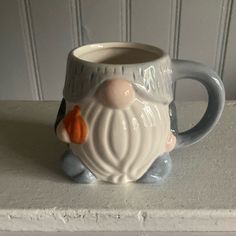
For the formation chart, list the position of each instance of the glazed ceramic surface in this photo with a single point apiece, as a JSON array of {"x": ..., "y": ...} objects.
[{"x": 118, "y": 113}]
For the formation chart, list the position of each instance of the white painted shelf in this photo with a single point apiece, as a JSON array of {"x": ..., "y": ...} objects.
[{"x": 200, "y": 194}]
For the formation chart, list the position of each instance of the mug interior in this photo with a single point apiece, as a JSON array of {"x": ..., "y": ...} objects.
[{"x": 118, "y": 53}]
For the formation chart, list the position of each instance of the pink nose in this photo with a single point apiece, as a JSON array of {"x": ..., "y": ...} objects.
[{"x": 116, "y": 93}]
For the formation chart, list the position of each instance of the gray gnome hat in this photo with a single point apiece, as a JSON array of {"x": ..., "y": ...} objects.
[{"x": 151, "y": 79}]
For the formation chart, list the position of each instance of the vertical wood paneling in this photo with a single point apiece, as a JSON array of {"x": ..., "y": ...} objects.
[
  {"x": 30, "y": 48},
  {"x": 222, "y": 38},
  {"x": 199, "y": 29},
  {"x": 125, "y": 20},
  {"x": 74, "y": 12},
  {"x": 150, "y": 22},
  {"x": 53, "y": 38},
  {"x": 229, "y": 73},
  {"x": 176, "y": 6},
  {"x": 198, "y": 40},
  {"x": 14, "y": 79},
  {"x": 36, "y": 36},
  {"x": 100, "y": 20}
]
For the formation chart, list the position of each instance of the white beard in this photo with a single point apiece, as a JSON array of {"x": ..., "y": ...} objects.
[{"x": 122, "y": 144}]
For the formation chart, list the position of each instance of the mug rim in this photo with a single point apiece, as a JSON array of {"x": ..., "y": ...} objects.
[{"x": 160, "y": 53}]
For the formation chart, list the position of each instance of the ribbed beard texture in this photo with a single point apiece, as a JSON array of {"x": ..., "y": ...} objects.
[{"x": 122, "y": 143}]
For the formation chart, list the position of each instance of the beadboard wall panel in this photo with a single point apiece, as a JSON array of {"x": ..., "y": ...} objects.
[
  {"x": 53, "y": 38},
  {"x": 36, "y": 36},
  {"x": 14, "y": 78},
  {"x": 100, "y": 20},
  {"x": 199, "y": 25},
  {"x": 229, "y": 72},
  {"x": 199, "y": 30},
  {"x": 151, "y": 22}
]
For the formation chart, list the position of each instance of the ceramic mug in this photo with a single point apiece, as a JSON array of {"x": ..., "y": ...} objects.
[{"x": 118, "y": 113}]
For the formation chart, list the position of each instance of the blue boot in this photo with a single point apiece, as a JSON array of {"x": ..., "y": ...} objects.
[
  {"x": 74, "y": 168},
  {"x": 159, "y": 170}
]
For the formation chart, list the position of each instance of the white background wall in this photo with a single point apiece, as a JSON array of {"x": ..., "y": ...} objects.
[{"x": 36, "y": 35}]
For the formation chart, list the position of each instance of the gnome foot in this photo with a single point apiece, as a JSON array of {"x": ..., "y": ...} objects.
[
  {"x": 159, "y": 170},
  {"x": 74, "y": 168}
]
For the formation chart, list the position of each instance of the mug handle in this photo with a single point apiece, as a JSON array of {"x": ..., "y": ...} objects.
[{"x": 183, "y": 69}]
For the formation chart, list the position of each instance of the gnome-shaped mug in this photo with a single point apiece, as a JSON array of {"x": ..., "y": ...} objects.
[{"x": 118, "y": 115}]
